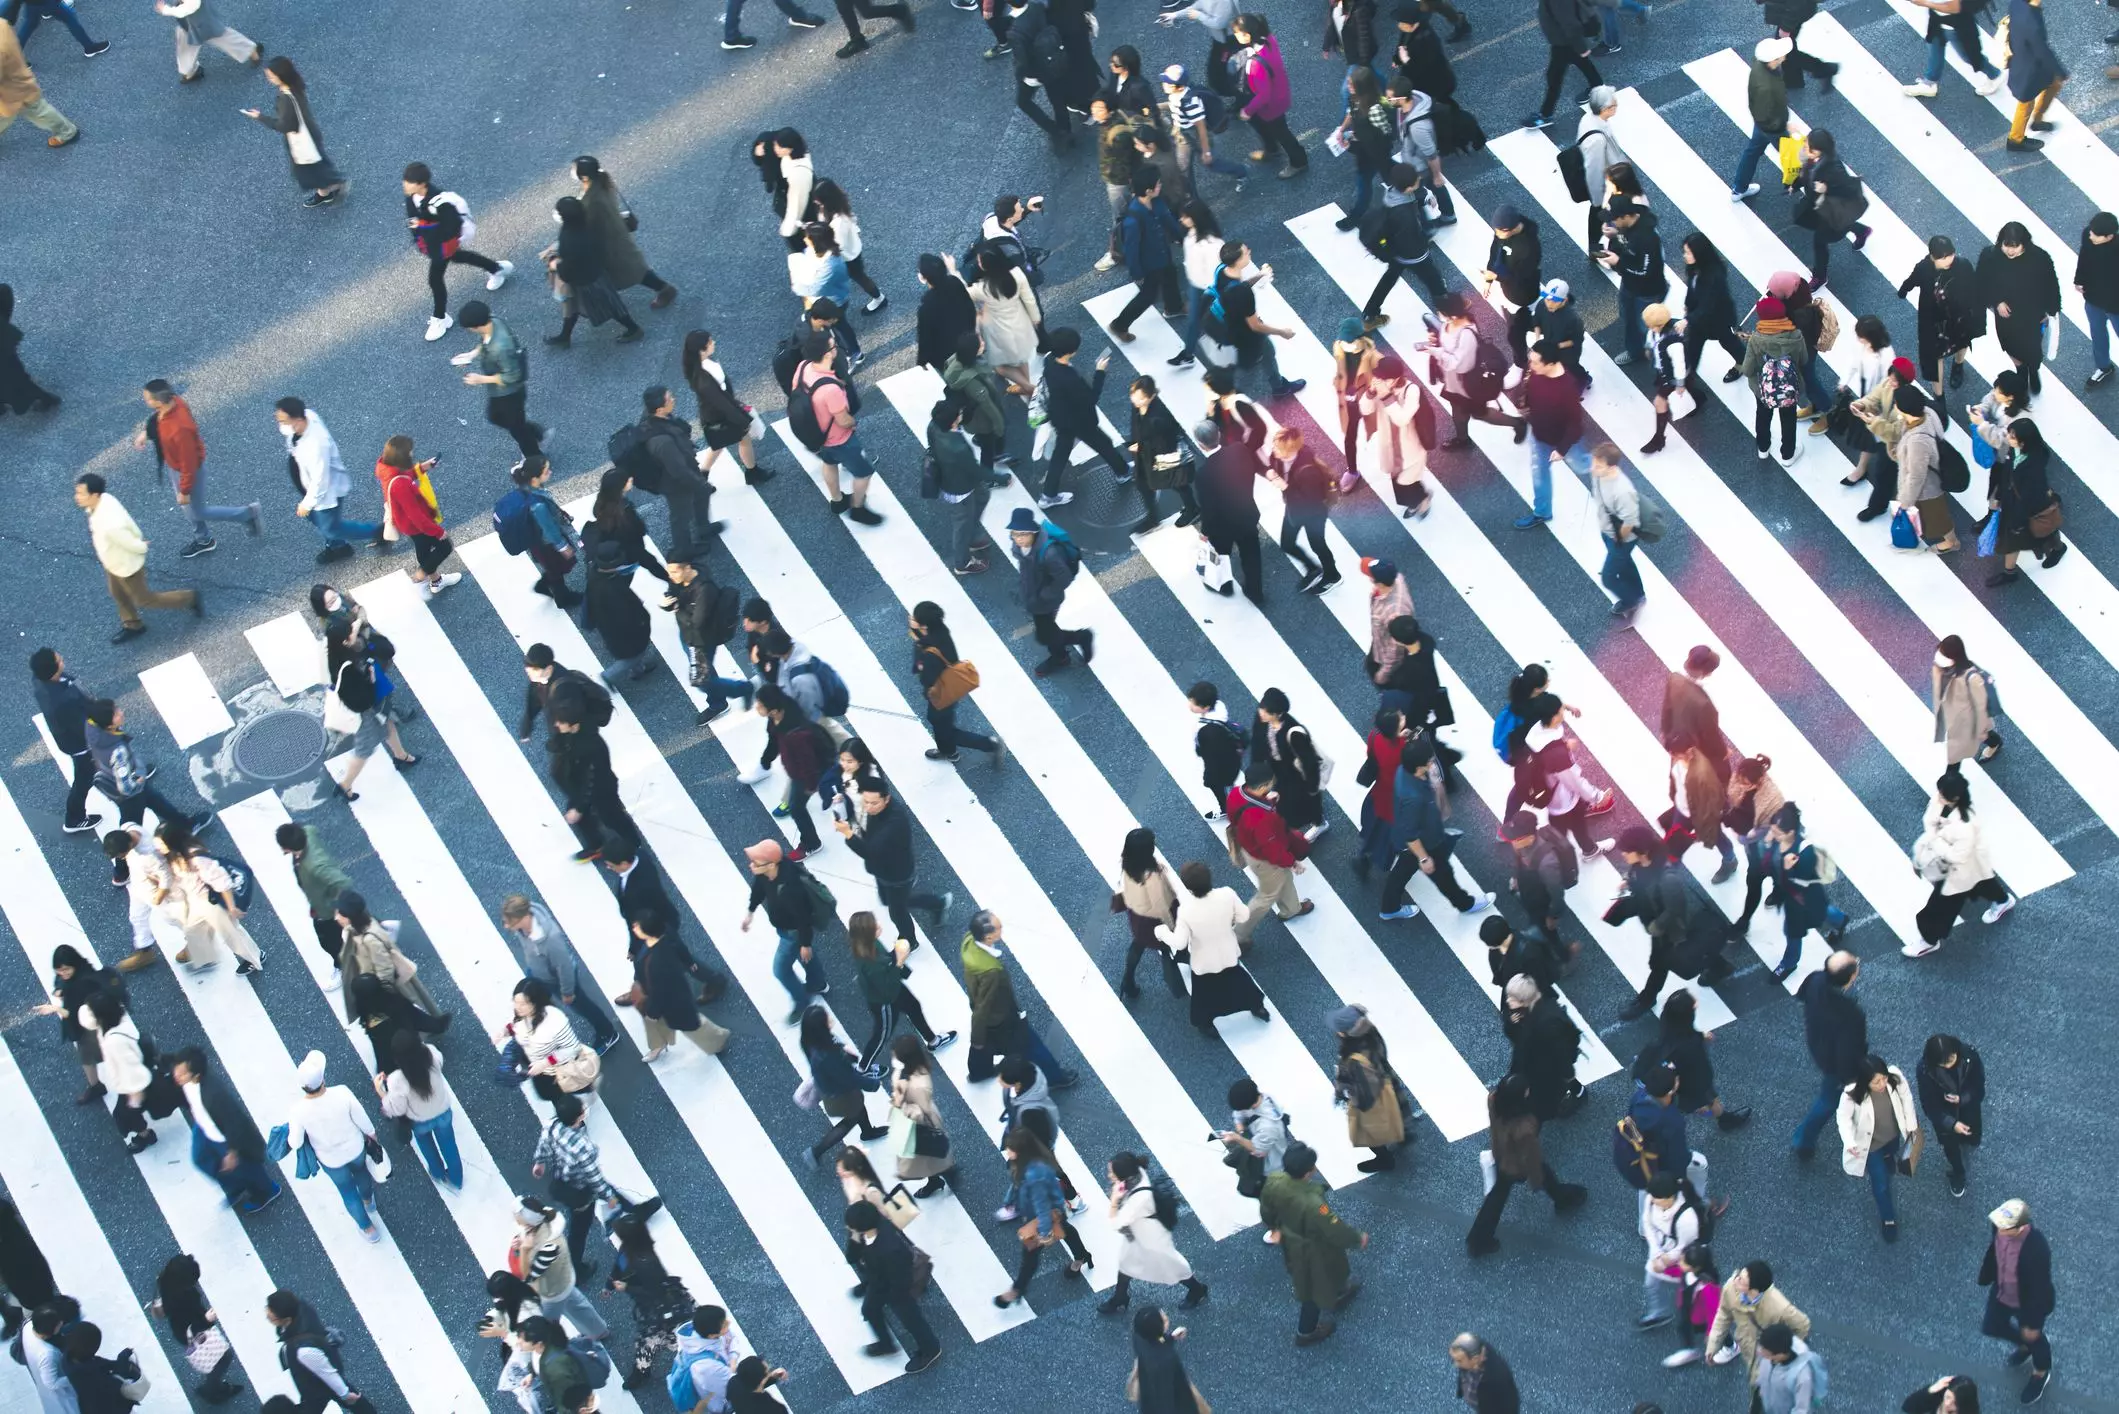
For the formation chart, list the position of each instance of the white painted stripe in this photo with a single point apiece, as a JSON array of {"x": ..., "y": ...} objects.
[
  {"x": 2073, "y": 146},
  {"x": 1080, "y": 795},
  {"x": 1044, "y": 943},
  {"x": 1249, "y": 643},
  {"x": 806, "y": 1256},
  {"x": 1928, "y": 587},
  {"x": 463, "y": 935},
  {"x": 188, "y": 705},
  {"x": 376, "y": 1276},
  {"x": 58, "y": 1216},
  {"x": 293, "y": 655},
  {"x": 2076, "y": 587},
  {"x": 56, "y": 1210},
  {"x": 699, "y": 867},
  {"x": 1954, "y": 169}
]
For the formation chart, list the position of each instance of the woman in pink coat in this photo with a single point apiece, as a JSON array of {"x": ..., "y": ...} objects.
[{"x": 1266, "y": 77}]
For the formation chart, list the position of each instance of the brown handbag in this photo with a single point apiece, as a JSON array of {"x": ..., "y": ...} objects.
[
  {"x": 2047, "y": 522},
  {"x": 1027, "y": 1234},
  {"x": 1914, "y": 1148}
]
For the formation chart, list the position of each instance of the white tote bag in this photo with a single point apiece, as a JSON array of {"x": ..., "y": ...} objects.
[
  {"x": 1213, "y": 567},
  {"x": 339, "y": 719}
]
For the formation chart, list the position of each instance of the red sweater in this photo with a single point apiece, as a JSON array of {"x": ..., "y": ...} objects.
[
  {"x": 1261, "y": 833},
  {"x": 177, "y": 434},
  {"x": 408, "y": 506},
  {"x": 1384, "y": 753}
]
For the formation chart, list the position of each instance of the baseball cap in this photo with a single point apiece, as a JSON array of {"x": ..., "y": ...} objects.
[{"x": 1554, "y": 290}]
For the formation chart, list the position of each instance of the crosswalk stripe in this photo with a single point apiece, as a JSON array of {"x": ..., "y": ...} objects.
[
  {"x": 1954, "y": 169},
  {"x": 1249, "y": 642},
  {"x": 2076, "y": 586},
  {"x": 1045, "y": 945},
  {"x": 463, "y": 936},
  {"x": 1272, "y": 1054},
  {"x": 2046, "y": 715},
  {"x": 83, "y": 1266},
  {"x": 376, "y": 1276},
  {"x": 186, "y": 701},
  {"x": 38, "y": 1178},
  {"x": 704, "y": 1096},
  {"x": 2073, "y": 145}
]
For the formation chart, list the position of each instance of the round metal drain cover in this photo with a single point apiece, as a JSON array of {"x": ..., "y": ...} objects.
[{"x": 283, "y": 745}]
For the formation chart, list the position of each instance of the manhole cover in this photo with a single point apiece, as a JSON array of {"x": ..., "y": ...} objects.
[{"x": 283, "y": 745}]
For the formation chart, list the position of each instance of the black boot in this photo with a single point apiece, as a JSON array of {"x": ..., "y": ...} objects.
[{"x": 1655, "y": 443}]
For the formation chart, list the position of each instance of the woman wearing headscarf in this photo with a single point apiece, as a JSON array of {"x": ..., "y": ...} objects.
[
  {"x": 18, "y": 391},
  {"x": 2020, "y": 493},
  {"x": 576, "y": 262},
  {"x": 1951, "y": 855},
  {"x": 1379, "y": 1109},
  {"x": 2018, "y": 282},
  {"x": 292, "y": 119},
  {"x": 1159, "y": 1384}
]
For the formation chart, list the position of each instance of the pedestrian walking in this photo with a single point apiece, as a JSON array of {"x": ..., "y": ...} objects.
[
  {"x": 173, "y": 433},
  {"x": 65, "y": 705},
  {"x": 441, "y": 227},
  {"x": 1951, "y": 855},
  {"x": 1569, "y": 27},
  {"x": 884, "y": 844},
  {"x": 1379, "y": 1107},
  {"x": 1485, "y": 1384},
  {"x": 362, "y": 691},
  {"x": 371, "y": 950},
  {"x": 946, "y": 681},
  {"x": 1951, "y": 1394},
  {"x": 1147, "y": 1218},
  {"x": 661, "y": 1305},
  {"x": 614, "y": 520},
  {"x": 612, "y": 223},
  {"x": 199, "y": 26},
  {"x": 225, "y": 1143},
  {"x": 1635, "y": 255},
  {"x": 946, "y": 312},
  {"x": 1148, "y": 898},
  {"x": 1265, "y": 80},
  {"x": 197, "y": 893},
  {"x": 1314, "y": 1243},
  {"x": 321, "y": 881},
  {"x": 1775, "y": 358},
  {"x": 1619, "y": 509},
  {"x": 1421, "y": 842},
  {"x": 35, "y": 12},
  {"x": 1552, "y": 400},
  {"x": 124, "y": 1070},
  {"x": 1040, "y": 1201},
  {"x": 1516, "y": 1157},
  {"x": 1879, "y": 1134},
  {"x": 1831, "y": 202},
  {"x": 1000, "y": 1028},
  {"x": 1951, "y": 308},
  {"x": 830, "y": 205},
  {"x": 588, "y": 783},
  {"x": 1235, "y": 322},
  {"x": 581, "y": 277},
  {"x": 1257, "y": 1138},
  {"x": 1681, "y": 1046},
  {"x": 313, "y": 458},
  {"x": 1947, "y": 20},
  {"x": 2022, "y": 497},
  {"x": 787, "y": 893},
  {"x": 2035, "y": 77},
  {"x": 2018, "y": 1272},
  {"x": 803, "y": 749},
  {"x": 337, "y": 1130},
  {"x": 1217, "y": 742},
  {"x": 292, "y": 118},
  {"x": 122, "y": 551},
  {"x": 195, "y": 1326},
  {"x": 614, "y": 612},
  {"x": 415, "y": 1090},
  {"x": 1750, "y": 1304},
  {"x": 22, "y": 97},
  {"x": 1472, "y": 370},
  {"x": 1543, "y": 1045},
  {"x": 1261, "y": 838},
  {"x": 1047, "y": 561},
  {"x": 2097, "y": 281},
  {"x": 409, "y": 508},
  {"x": 1070, "y": 409},
  {"x": 538, "y": 1043},
  {"x": 1788, "y": 1375},
  {"x": 538, "y": 1253},
  {"x": 1961, "y": 692},
  {"x": 1210, "y": 935},
  {"x": 1710, "y": 312},
  {"x": 884, "y": 1260},
  {"x": 662, "y": 988},
  {"x": 572, "y": 1165},
  {"x": 1670, "y": 1223},
  {"x": 528, "y": 517},
  {"x": 723, "y": 421},
  {"x": 1922, "y": 496},
  {"x": 820, "y": 396},
  {"x": 919, "y": 1135},
  {"x": 1229, "y": 514},
  {"x": 123, "y": 776},
  {"x": 1146, "y": 231},
  {"x": 962, "y": 485},
  {"x": 503, "y": 369},
  {"x": 837, "y": 1081},
  {"x": 2017, "y": 280},
  {"x": 98, "y": 1382},
  {"x": 1837, "y": 1033},
  {"x": 74, "y": 980},
  {"x": 1952, "y": 1080}
]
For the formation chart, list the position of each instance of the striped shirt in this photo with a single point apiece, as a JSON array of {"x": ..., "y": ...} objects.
[
  {"x": 570, "y": 1157},
  {"x": 1187, "y": 109}
]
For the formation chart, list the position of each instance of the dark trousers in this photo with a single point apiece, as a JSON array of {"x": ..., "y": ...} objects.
[
  {"x": 507, "y": 412},
  {"x": 132, "y": 808},
  {"x": 1489, "y": 1217},
  {"x": 77, "y": 792},
  {"x": 899, "y": 1304},
  {"x": 883, "y": 1024},
  {"x": 1954, "y": 1150},
  {"x": 330, "y": 936},
  {"x": 553, "y": 566},
  {"x": 1143, "y": 940},
  {"x": 1940, "y": 912},
  {"x": 1404, "y": 865},
  {"x": 948, "y": 737},
  {"x": 798, "y": 811},
  {"x": 983, "y": 1064},
  {"x": 1057, "y": 640},
  {"x": 1122, "y": 1292},
  {"x": 1026, "y": 1267},
  {"x": 438, "y": 270},
  {"x": 1318, "y": 560},
  {"x": 1026, "y": 99},
  {"x": 2002, "y": 1323},
  {"x": 1250, "y": 569},
  {"x": 1557, "y": 60},
  {"x": 1091, "y": 436},
  {"x": 1165, "y": 284},
  {"x": 1696, "y": 337},
  {"x": 900, "y": 900},
  {"x": 1463, "y": 412},
  {"x": 1147, "y": 497},
  {"x": 1762, "y": 428},
  {"x": 852, "y": 12},
  {"x": 1274, "y": 132},
  {"x": 1393, "y": 272},
  {"x": 606, "y": 819}
]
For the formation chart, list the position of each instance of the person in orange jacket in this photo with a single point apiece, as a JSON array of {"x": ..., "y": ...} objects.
[{"x": 174, "y": 434}]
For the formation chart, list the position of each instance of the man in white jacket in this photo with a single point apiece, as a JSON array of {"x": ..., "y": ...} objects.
[
  {"x": 315, "y": 459},
  {"x": 122, "y": 551}
]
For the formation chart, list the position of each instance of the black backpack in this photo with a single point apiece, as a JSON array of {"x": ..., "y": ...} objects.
[
  {"x": 1456, "y": 130},
  {"x": 1956, "y": 475},
  {"x": 788, "y": 357},
  {"x": 630, "y": 453},
  {"x": 1574, "y": 170},
  {"x": 1215, "y": 109},
  {"x": 1165, "y": 1191},
  {"x": 1564, "y": 850},
  {"x": 802, "y": 411}
]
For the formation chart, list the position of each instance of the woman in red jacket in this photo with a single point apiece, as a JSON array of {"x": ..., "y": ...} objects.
[{"x": 408, "y": 496}]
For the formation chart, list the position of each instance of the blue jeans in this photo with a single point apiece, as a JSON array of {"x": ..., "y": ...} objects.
[
  {"x": 1822, "y": 1108},
  {"x": 1622, "y": 577},
  {"x": 248, "y": 1179},
  {"x": 1364, "y": 190},
  {"x": 1611, "y": 18},
  {"x": 787, "y": 958},
  {"x": 1630, "y": 324},
  {"x": 335, "y": 528},
  {"x": 1541, "y": 455},
  {"x": 1882, "y": 1164},
  {"x": 1815, "y": 392},
  {"x": 730, "y": 29},
  {"x": 718, "y": 690},
  {"x": 200, "y": 512},
  {"x": 1747, "y": 164},
  {"x": 2102, "y": 322},
  {"x": 1794, "y": 927},
  {"x": 436, "y": 1141},
  {"x": 1658, "y": 1297},
  {"x": 36, "y": 12},
  {"x": 850, "y": 457},
  {"x": 1967, "y": 34},
  {"x": 355, "y": 1189},
  {"x": 1200, "y": 300}
]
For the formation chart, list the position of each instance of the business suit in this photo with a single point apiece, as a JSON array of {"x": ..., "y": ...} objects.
[{"x": 239, "y": 1136}]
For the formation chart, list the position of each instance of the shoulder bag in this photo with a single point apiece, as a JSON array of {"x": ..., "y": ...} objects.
[{"x": 339, "y": 719}]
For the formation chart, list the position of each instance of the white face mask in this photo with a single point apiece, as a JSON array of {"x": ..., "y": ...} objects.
[{"x": 1943, "y": 662}]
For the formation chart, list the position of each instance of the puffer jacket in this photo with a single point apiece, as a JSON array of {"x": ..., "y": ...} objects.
[
  {"x": 1956, "y": 840},
  {"x": 1267, "y": 78}
]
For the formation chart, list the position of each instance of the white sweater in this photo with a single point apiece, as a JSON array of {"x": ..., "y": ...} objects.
[
  {"x": 334, "y": 1124},
  {"x": 400, "y": 1099},
  {"x": 1206, "y": 929}
]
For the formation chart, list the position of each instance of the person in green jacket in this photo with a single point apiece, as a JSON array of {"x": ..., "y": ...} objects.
[
  {"x": 1767, "y": 95},
  {"x": 562, "y": 1382},
  {"x": 321, "y": 881},
  {"x": 999, "y": 1026},
  {"x": 980, "y": 388},
  {"x": 1314, "y": 1241}
]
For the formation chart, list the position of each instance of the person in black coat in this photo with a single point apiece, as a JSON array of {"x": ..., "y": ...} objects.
[
  {"x": 724, "y": 421},
  {"x": 1567, "y": 26},
  {"x": 1837, "y": 1032},
  {"x": 1159, "y": 1384},
  {"x": 615, "y": 611},
  {"x": 662, "y": 983},
  {"x": 577, "y": 259},
  {"x": 1419, "y": 58},
  {"x": 1681, "y": 1045},
  {"x": 581, "y": 768},
  {"x": 96, "y": 1378},
  {"x": 1543, "y": 1043},
  {"x": 1510, "y": 954},
  {"x": 1710, "y": 311},
  {"x": 1161, "y": 459},
  {"x": 181, "y": 1301},
  {"x": 1070, "y": 405},
  {"x": 885, "y": 847},
  {"x": 2018, "y": 488},
  {"x": 2021, "y": 1321},
  {"x": 2018, "y": 282},
  {"x": 883, "y": 1257},
  {"x": 1950, "y": 310},
  {"x": 2035, "y": 73},
  {"x": 1831, "y": 204},
  {"x": 1789, "y": 17},
  {"x": 19, "y": 392},
  {"x": 25, "y": 1277},
  {"x": 1485, "y": 1384},
  {"x": 1228, "y": 504},
  {"x": 1953, "y": 1085},
  {"x": 946, "y": 312},
  {"x": 236, "y": 1160},
  {"x": 2097, "y": 281}
]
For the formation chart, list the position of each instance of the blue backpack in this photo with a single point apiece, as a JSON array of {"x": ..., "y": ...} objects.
[
  {"x": 513, "y": 522},
  {"x": 684, "y": 1391},
  {"x": 595, "y": 1360},
  {"x": 1505, "y": 726},
  {"x": 830, "y": 686}
]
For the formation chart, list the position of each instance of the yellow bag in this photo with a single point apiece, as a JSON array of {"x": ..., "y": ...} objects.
[{"x": 1791, "y": 154}]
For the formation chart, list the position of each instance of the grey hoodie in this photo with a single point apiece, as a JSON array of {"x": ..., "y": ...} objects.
[
  {"x": 1416, "y": 133},
  {"x": 1037, "y": 1095}
]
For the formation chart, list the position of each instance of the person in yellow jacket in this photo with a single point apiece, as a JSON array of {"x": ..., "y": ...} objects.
[{"x": 122, "y": 551}]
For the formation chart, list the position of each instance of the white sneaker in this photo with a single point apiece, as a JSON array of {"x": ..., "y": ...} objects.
[
  {"x": 1919, "y": 88},
  {"x": 438, "y": 325},
  {"x": 1999, "y": 911},
  {"x": 1479, "y": 904},
  {"x": 1005, "y": 1213},
  {"x": 1985, "y": 87},
  {"x": 438, "y": 583},
  {"x": 1745, "y": 195},
  {"x": 1725, "y": 1356},
  {"x": 1679, "y": 1359},
  {"x": 1106, "y": 261},
  {"x": 1058, "y": 498},
  {"x": 464, "y": 358},
  {"x": 500, "y": 277},
  {"x": 875, "y": 304},
  {"x": 1920, "y": 948},
  {"x": 751, "y": 775}
]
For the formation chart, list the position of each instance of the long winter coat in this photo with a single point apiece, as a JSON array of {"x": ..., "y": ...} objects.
[
  {"x": 1149, "y": 1252},
  {"x": 1962, "y": 713},
  {"x": 1857, "y": 1120},
  {"x": 1957, "y": 841},
  {"x": 1313, "y": 1240}
]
